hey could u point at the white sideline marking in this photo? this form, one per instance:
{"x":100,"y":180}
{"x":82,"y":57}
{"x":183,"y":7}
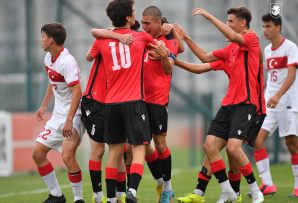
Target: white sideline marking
{"x":31,"y":192}
{"x":38,"y":191}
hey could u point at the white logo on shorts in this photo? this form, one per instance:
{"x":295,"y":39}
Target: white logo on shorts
{"x":249,"y":117}
{"x":93,"y":129}
{"x":143,"y":117}
{"x":239,"y":132}
{"x":88,"y":112}
{"x":160,"y":127}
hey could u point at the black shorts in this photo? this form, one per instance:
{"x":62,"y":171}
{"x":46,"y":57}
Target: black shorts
{"x":128,"y":121}
{"x":233,"y":121}
{"x":93,"y":118}
{"x":254,"y":129}
{"x":158,"y":118}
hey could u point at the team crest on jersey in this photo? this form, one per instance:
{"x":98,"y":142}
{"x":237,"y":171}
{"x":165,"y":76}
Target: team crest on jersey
{"x":275,"y":9}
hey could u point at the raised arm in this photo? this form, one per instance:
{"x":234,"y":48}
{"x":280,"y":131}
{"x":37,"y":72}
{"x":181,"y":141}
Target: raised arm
{"x":169,"y":28}
{"x":105,"y":33}
{"x":193,"y":68}
{"x":203,"y":55}
{"x":230,"y":34}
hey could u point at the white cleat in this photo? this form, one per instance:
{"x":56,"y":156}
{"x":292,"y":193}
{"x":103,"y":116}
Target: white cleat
{"x":257,"y":196}
{"x":228,"y":196}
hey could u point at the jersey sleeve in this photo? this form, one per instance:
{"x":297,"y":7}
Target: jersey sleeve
{"x":218,"y":65}
{"x":71,"y":72}
{"x":292,"y":54}
{"x":95,"y":49}
{"x":250,"y":40}
{"x":221,"y":53}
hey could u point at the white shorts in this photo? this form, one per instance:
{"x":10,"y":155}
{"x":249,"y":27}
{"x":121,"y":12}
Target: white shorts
{"x":53,"y":138}
{"x":286,"y":121}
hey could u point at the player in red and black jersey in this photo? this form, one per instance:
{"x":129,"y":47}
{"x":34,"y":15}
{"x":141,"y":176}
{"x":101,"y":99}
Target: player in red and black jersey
{"x":125,"y":111}
{"x":157,"y":80}
{"x":240,"y":60}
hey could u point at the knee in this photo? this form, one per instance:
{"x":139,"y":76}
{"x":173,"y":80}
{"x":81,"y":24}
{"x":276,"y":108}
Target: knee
{"x":160,"y":146}
{"x":67,"y":157}
{"x":38,"y":156}
{"x":233,"y":150}
{"x":210,"y":148}
{"x":292,"y":146}
{"x":97,"y":153}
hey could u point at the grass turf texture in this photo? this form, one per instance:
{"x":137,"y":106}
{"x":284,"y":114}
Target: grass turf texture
{"x":29,"y":188}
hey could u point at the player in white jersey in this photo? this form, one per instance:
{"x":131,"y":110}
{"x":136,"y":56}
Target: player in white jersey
{"x":281,"y":101}
{"x":64,"y":130}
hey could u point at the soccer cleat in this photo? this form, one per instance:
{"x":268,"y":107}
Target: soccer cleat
{"x":191,"y":198}
{"x":167,"y":196}
{"x":79,"y":201}
{"x":228,"y":196}
{"x":239,"y":199}
{"x":130,"y":198}
{"x":158,"y":191}
{"x":257,"y":196}
{"x":102,"y":199}
{"x":54,"y":199}
{"x":294,"y":194}
{"x":268,"y":190}
{"x":121,"y":199}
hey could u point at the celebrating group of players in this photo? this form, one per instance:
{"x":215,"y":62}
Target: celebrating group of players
{"x":126,"y":98}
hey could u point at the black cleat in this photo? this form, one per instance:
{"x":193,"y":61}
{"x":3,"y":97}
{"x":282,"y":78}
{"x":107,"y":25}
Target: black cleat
{"x":130,"y":198}
{"x":54,"y":199}
{"x":79,"y":201}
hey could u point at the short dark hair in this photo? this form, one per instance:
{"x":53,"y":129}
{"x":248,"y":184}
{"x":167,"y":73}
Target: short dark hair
{"x":56,"y":31}
{"x":241,"y":12}
{"x":153,"y":11}
{"x":136,"y":26}
{"x":118,"y":10}
{"x":276,"y":20}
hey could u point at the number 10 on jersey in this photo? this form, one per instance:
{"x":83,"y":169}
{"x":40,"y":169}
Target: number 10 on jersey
{"x":124,"y":54}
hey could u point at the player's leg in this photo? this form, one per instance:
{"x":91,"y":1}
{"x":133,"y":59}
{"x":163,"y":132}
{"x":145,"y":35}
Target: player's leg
{"x":45,"y":168}
{"x":234,"y":176}
{"x":95,"y":171}
{"x":155,"y":168}
{"x":121,"y":178}
{"x":128,"y":161}
{"x":137,"y":128}
{"x":69,"y":149}
{"x":261,"y":156}
{"x":292,"y":144}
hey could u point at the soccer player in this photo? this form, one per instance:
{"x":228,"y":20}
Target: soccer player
{"x":126,"y":116}
{"x":64,"y":129}
{"x":93,"y":118}
{"x":157,"y":81}
{"x":281,"y":95}
{"x":230,"y":127}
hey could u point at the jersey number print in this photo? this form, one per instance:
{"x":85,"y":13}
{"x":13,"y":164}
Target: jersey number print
{"x":124,"y":53}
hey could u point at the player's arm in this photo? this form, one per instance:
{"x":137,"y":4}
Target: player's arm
{"x":203,"y":55}
{"x":89,"y":56}
{"x":169,"y":28}
{"x":166,"y":59}
{"x":44,"y":105}
{"x":193,"y":68}
{"x":230,"y":34}
{"x":273,"y":101}
{"x":75,"y":101}
{"x":105,"y":33}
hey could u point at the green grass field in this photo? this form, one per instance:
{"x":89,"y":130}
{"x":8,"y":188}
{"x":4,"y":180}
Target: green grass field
{"x":29,"y":188}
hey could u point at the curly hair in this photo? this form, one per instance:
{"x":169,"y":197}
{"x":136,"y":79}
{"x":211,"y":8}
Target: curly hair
{"x":118,"y":10}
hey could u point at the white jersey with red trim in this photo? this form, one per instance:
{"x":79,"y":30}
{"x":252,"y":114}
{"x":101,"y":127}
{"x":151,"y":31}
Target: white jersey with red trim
{"x":277,"y":62}
{"x":63,"y":72}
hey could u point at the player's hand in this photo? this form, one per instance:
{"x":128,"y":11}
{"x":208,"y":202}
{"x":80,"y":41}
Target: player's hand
{"x":40,"y":113}
{"x":202,"y":12}
{"x":273,"y":101}
{"x":153,"y":55}
{"x":126,"y":38}
{"x":166,"y":28}
{"x":160,"y":48}
{"x":179,"y":30}
{"x":67,"y":129}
